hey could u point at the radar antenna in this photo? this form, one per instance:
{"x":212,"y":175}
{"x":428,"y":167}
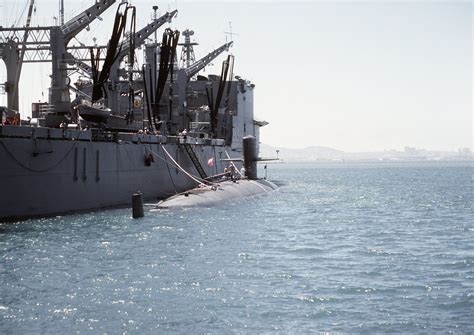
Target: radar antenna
{"x":229,"y":34}
{"x":187,"y":53}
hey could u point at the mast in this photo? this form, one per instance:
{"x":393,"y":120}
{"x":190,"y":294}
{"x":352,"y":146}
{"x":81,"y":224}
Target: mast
{"x":61,"y":12}
{"x":155,"y":8}
{"x":187,"y":52}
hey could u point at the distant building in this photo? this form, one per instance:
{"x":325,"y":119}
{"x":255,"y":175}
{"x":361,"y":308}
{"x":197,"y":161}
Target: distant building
{"x":410,"y":151}
{"x":464,"y":151}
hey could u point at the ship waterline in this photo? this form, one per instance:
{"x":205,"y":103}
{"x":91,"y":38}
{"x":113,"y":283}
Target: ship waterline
{"x":48,"y":176}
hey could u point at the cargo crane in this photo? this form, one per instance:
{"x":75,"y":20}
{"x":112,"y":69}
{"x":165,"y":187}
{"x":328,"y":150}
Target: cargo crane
{"x":54,"y":40}
{"x":60,"y":36}
{"x":194,"y":68}
{"x":184,"y":75}
{"x":138,"y":39}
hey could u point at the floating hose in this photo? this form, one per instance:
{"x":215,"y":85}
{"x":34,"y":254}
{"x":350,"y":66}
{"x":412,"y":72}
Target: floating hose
{"x":196,"y":179}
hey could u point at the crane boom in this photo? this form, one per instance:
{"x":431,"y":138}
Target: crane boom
{"x":200,"y":64}
{"x":141,"y":35}
{"x":82,"y":20}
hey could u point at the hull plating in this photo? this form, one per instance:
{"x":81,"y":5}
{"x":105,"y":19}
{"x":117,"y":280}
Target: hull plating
{"x":45,"y":177}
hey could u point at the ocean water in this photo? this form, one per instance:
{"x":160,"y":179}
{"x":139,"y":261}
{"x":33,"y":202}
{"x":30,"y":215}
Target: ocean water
{"x":339,"y":248}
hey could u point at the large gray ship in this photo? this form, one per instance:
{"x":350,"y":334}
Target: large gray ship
{"x":159,"y":129}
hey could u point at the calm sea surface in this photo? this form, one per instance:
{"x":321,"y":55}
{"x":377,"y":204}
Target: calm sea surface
{"x":343,"y":248}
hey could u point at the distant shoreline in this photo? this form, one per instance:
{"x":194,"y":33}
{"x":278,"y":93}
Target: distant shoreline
{"x":381,"y":162}
{"x":330,"y":155}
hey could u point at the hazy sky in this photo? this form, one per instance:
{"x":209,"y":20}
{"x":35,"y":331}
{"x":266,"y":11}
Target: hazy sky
{"x":355,"y":76}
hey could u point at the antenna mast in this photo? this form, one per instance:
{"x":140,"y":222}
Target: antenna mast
{"x":61,"y":12}
{"x":187,"y":53}
{"x":229,"y":33}
{"x":155,"y":8}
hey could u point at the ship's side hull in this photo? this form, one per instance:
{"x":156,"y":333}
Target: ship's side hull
{"x":51,"y":176}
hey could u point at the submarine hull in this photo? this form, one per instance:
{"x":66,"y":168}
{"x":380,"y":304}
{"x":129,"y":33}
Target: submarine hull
{"x":219,"y":194}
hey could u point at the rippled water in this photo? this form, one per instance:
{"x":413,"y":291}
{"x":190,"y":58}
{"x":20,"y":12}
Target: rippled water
{"x":348,"y":248}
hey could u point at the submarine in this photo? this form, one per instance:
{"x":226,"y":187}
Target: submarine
{"x":225,"y":190}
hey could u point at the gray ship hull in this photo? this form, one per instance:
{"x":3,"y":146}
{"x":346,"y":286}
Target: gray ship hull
{"x":47,"y":171}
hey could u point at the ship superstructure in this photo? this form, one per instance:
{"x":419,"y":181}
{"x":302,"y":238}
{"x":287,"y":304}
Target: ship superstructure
{"x":159,"y":128}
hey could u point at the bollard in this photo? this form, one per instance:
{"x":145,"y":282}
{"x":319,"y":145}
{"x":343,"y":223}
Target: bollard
{"x":137,"y":206}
